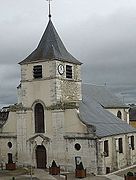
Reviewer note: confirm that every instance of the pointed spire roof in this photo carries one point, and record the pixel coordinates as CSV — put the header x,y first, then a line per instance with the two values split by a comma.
x,y
50,48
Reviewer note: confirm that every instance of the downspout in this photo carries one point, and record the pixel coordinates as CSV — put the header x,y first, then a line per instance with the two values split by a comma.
x,y
97,154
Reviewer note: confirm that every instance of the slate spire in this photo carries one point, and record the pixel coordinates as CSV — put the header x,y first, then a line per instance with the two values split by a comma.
x,y
51,48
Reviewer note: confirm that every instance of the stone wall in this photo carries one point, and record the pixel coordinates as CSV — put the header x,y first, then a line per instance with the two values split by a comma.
x,y
116,160
5,138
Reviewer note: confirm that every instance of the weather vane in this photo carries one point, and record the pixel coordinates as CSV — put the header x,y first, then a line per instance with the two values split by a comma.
x,y
49,8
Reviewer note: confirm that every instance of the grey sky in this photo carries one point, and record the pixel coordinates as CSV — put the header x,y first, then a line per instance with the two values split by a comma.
x,y
100,33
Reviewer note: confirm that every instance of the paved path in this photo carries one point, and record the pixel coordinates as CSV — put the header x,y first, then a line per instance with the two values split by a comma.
x,y
71,176
40,174
114,177
43,175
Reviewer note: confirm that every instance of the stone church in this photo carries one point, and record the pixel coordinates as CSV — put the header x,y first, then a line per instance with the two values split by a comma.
x,y
59,118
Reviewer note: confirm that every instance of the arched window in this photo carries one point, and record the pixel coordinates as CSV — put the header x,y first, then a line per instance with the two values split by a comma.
x,y
39,118
119,114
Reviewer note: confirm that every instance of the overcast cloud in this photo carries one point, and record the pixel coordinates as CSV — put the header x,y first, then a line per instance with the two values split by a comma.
x,y
100,33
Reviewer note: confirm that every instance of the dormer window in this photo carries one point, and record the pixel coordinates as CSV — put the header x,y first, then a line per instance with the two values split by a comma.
x,y
69,71
37,71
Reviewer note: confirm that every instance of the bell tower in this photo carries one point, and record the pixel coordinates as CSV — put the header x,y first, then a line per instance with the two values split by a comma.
x,y
48,95
50,73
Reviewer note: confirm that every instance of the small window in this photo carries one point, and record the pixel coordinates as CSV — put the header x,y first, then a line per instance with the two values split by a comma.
x,y
9,144
106,148
120,145
68,71
132,142
119,114
77,146
37,71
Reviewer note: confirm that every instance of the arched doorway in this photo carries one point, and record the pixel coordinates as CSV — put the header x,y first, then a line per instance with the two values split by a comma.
x,y
41,157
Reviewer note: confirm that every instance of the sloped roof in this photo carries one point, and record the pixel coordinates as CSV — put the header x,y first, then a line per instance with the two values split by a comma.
x,y
50,47
103,96
92,113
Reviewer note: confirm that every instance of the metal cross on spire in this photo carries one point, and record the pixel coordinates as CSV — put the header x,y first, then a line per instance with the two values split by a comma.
x,y
49,8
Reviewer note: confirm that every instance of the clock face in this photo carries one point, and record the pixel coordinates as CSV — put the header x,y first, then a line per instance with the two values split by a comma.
x,y
61,69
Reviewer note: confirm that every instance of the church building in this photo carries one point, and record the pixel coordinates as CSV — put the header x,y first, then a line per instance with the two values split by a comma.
x,y
57,117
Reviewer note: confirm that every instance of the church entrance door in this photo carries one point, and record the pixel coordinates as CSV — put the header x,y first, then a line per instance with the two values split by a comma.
x,y
41,157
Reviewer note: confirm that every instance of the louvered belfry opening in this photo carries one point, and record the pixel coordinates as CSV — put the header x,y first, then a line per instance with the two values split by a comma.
x,y
39,118
37,71
68,71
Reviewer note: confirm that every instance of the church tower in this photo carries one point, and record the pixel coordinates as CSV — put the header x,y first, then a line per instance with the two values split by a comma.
x,y
48,99
50,73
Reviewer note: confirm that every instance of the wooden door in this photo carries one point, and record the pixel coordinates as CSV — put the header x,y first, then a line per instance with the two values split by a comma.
x,y
41,158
